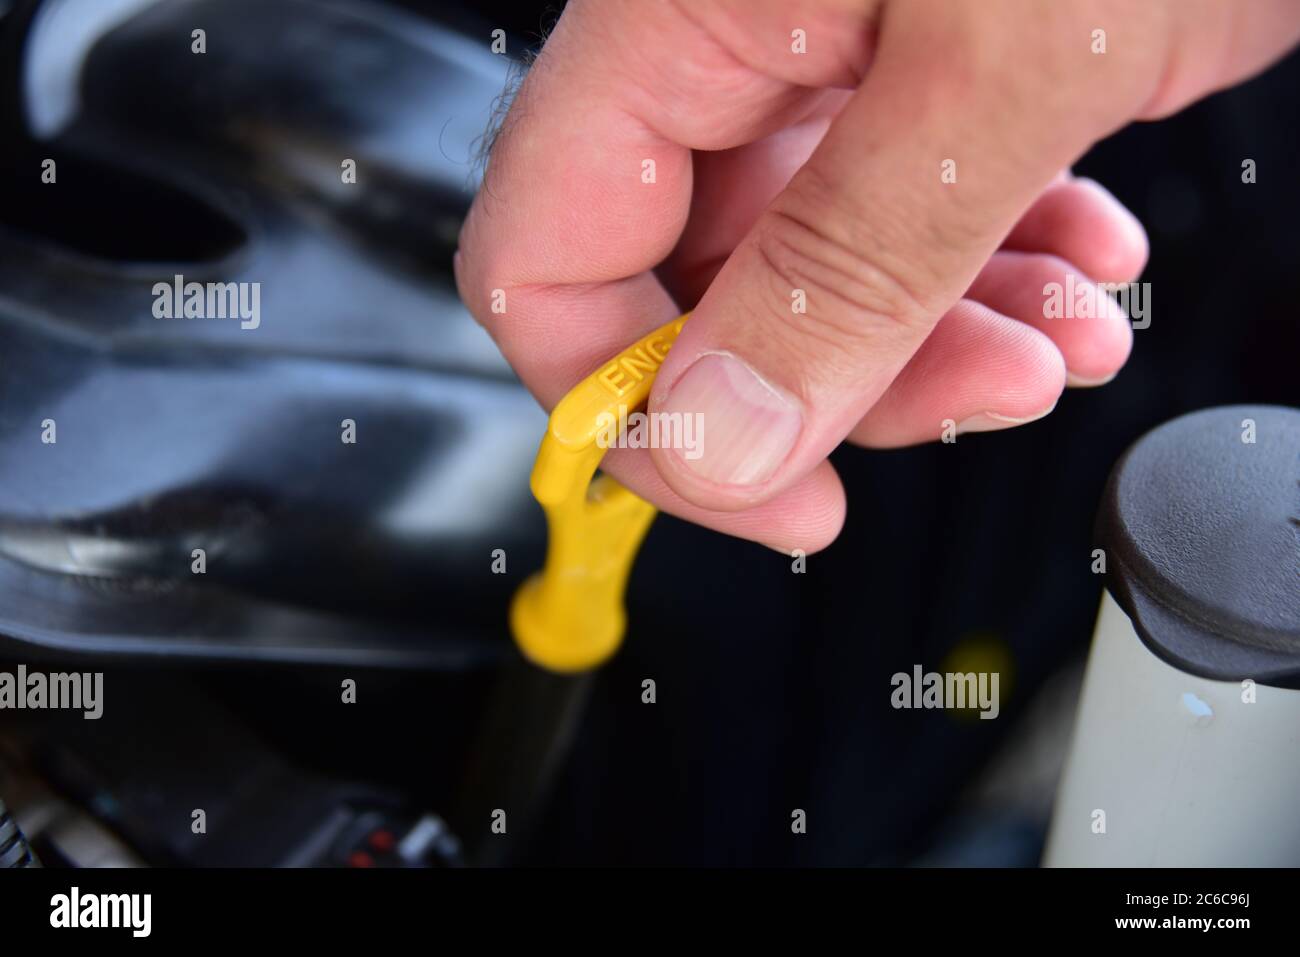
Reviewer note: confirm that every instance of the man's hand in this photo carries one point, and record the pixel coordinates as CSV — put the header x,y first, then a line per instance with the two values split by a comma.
x,y
863,196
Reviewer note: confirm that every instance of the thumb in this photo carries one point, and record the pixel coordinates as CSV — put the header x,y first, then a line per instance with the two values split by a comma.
x,y
821,305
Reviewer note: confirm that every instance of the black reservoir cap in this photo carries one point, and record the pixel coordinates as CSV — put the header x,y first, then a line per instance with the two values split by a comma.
x,y
1200,523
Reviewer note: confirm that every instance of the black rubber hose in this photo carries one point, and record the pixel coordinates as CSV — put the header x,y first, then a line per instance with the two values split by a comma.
x,y
14,851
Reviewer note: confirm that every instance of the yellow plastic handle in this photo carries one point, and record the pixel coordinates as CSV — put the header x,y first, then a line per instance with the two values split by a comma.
x,y
569,617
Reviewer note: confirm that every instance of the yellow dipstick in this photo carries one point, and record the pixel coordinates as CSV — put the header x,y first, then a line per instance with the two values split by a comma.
x,y
569,617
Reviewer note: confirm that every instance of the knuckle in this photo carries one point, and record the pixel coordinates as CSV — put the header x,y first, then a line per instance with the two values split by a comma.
x,y
484,296
851,287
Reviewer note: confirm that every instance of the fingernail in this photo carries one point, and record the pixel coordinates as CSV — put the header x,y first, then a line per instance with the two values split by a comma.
x,y
1080,382
748,427
992,421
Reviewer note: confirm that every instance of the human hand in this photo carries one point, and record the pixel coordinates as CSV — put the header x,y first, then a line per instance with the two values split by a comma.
x,y
779,174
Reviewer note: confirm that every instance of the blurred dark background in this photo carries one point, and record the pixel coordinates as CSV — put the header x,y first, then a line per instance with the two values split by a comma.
x,y
773,688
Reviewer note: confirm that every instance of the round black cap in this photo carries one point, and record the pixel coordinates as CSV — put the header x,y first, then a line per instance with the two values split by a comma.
x,y
1200,524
